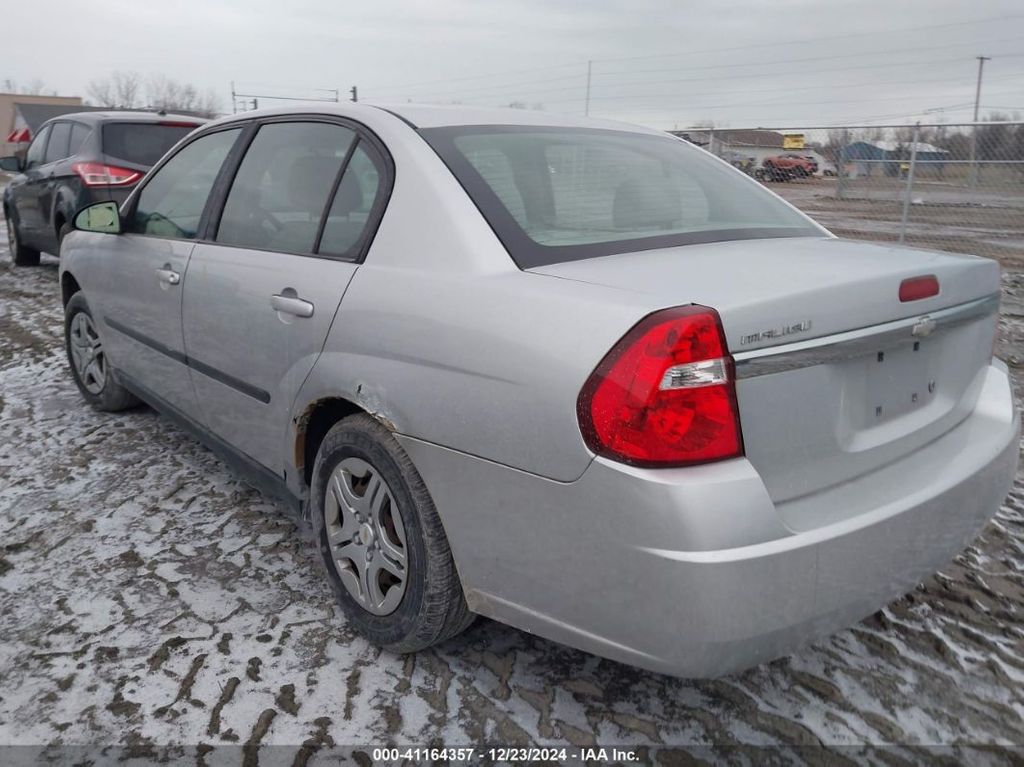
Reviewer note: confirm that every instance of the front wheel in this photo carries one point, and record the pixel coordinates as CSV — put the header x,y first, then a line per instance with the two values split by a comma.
x,y
21,254
88,360
381,540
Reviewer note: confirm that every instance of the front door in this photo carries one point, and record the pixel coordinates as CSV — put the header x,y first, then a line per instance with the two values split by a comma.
x,y
25,191
260,299
144,269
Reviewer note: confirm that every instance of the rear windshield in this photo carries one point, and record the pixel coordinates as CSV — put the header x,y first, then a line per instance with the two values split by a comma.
x,y
142,143
562,194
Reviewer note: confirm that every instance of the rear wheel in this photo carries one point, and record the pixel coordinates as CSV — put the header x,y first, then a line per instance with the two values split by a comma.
x,y
87,357
20,253
381,540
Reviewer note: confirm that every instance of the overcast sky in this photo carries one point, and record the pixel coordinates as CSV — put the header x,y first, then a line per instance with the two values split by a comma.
x,y
738,63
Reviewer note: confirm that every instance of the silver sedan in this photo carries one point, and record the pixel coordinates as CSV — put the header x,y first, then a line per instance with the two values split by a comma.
x,y
577,376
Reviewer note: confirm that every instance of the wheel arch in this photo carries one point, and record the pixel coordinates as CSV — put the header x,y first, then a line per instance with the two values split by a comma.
x,y
312,424
63,209
68,287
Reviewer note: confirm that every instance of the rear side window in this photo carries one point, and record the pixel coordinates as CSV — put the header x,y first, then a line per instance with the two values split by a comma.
x,y
142,143
283,186
349,217
57,148
78,134
172,201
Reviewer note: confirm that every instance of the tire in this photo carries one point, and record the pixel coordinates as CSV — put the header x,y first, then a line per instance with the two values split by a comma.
x,y
62,232
403,616
97,383
21,254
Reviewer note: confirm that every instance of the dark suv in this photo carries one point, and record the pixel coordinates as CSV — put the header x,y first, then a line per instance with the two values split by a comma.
x,y
74,161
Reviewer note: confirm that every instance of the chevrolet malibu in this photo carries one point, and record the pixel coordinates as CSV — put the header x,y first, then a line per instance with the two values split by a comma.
x,y
580,377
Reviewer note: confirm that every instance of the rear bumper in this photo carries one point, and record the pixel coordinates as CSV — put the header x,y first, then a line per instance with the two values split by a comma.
x,y
694,572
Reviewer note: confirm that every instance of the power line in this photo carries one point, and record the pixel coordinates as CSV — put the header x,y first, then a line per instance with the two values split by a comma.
x,y
873,32
460,92
753,104
782,89
761,75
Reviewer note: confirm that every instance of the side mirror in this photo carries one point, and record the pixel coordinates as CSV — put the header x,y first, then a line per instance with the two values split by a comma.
x,y
11,164
101,217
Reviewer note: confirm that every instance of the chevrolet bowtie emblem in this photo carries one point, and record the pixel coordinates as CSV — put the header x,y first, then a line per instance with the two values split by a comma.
x,y
923,327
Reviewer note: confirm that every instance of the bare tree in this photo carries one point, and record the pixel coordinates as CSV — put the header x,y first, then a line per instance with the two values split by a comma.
x,y
124,90
119,91
166,94
35,88
101,92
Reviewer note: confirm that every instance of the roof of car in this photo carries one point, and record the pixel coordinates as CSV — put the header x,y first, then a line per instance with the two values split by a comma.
x,y
442,115
35,115
95,115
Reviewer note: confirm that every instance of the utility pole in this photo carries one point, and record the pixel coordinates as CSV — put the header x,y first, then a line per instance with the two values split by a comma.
x,y
974,130
590,67
355,93
977,92
234,103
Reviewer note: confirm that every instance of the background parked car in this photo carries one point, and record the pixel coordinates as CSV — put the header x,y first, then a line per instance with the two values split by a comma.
x,y
76,160
783,167
807,162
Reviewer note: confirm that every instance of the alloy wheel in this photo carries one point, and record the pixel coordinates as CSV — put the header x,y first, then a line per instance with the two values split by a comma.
x,y
87,354
12,237
363,527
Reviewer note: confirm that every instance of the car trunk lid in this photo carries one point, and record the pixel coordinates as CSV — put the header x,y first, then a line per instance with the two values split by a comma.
x,y
835,375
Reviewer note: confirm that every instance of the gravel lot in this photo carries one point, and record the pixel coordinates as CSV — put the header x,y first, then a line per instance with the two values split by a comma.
x,y
149,598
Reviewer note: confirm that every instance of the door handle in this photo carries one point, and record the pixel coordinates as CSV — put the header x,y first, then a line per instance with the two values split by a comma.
x,y
291,304
168,276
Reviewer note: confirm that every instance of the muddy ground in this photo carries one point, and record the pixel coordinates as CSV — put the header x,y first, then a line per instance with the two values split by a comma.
x,y
148,597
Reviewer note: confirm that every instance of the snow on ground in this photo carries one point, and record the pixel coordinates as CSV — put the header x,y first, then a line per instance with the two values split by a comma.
x,y
150,598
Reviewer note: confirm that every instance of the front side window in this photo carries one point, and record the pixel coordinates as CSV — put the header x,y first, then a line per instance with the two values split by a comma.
x,y
556,194
172,201
34,156
57,148
283,186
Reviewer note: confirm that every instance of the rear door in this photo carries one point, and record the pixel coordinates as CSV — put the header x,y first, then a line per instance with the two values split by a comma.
x,y
138,293
262,292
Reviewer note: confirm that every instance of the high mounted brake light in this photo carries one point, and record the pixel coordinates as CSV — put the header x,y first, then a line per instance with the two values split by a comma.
x,y
98,174
916,288
664,395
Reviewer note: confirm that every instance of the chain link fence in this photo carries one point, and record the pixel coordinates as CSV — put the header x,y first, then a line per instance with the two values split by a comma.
x,y
955,187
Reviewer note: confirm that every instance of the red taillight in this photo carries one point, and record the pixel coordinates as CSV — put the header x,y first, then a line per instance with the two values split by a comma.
x,y
916,288
664,395
98,174
178,124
